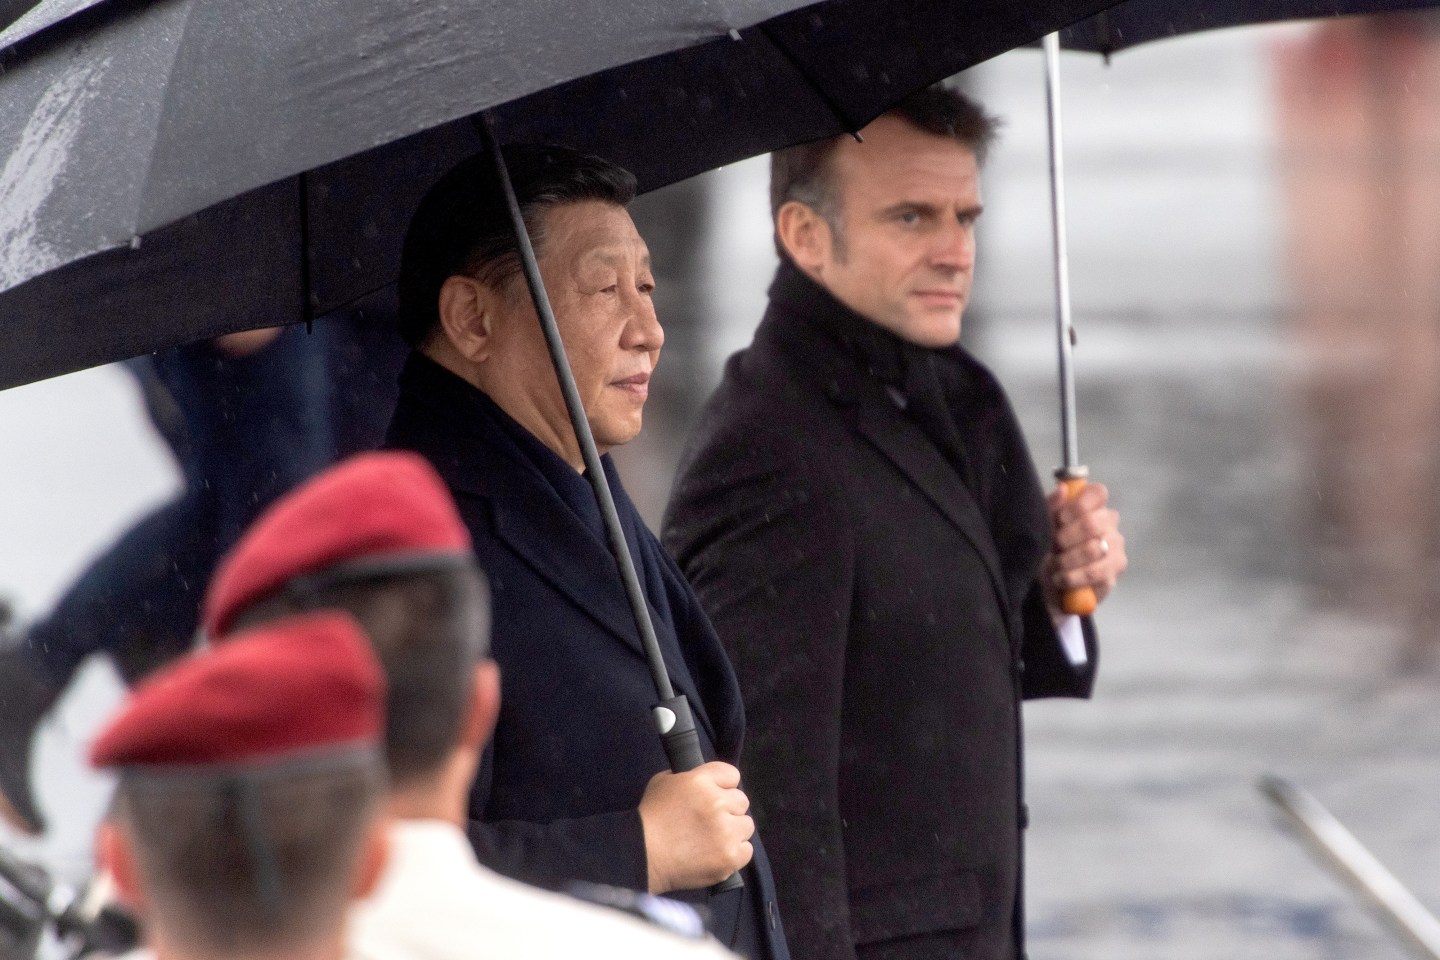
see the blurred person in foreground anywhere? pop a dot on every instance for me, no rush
(378, 537)
(862, 520)
(248, 810)
(575, 784)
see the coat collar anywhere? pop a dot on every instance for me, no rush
(820, 334)
(480, 451)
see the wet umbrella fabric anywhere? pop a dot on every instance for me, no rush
(1139, 21)
(23, 18)
(183, 168)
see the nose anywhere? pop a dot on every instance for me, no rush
(954, 247)
(643, 330)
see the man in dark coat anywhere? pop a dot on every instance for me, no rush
(574, 785)
(863, 523)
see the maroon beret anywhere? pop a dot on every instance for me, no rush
(300, 686)
(376, 512)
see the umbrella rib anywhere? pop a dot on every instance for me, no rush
(159, 121)
(830, 102)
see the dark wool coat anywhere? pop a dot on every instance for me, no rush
(884, 628)
(559, 785)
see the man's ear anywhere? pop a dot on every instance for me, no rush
(468, 311)
(374, 857)
(117, 857)
(484, 707)
(804, 234)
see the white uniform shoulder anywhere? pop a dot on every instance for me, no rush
(435, 902)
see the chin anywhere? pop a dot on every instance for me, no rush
(934, 333)
(609, 436)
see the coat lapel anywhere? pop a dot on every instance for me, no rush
(438, 417)
(873, 415)
(532, 522)
(906, 446)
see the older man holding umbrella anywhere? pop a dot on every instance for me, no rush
(575, 783)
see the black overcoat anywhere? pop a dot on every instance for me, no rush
(559, 785)
(882, 637)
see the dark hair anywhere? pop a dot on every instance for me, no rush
(803, 172)
(199, 841)
(429, 630)
(462, 226)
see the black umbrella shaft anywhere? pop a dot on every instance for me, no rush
(594, 471)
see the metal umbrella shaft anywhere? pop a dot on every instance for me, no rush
(672, 715)
(1071, 472)
(1065, 328)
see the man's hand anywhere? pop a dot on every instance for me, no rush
(246, 342)
(1088, 549)
(697, 831)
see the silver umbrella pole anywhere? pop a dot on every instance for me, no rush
(1339, 850)
(1071, 472)
(672, 715)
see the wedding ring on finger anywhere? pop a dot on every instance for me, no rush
(1104, 547)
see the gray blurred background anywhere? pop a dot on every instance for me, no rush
(1255, 229)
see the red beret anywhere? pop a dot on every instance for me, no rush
(297, 686)
(379, 509)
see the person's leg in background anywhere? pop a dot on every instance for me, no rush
(247, 419)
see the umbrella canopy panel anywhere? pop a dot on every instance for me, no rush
(25, 18)
(1139, 21)
(165, 108)
(183, 168)
(825, 69)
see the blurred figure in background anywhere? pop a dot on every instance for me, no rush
(247, 814)
(247, 416)
(1359, 126)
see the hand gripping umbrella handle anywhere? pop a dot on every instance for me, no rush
(681, 740)
(1081, 600)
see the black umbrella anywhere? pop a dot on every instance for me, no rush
(183, 168)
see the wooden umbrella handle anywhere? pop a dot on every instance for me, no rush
(1081, 600)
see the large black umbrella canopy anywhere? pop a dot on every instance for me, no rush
(183, 168)
(1139, 21)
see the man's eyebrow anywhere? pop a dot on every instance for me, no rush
(906, 206)
(613, 256)
(919, 206)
